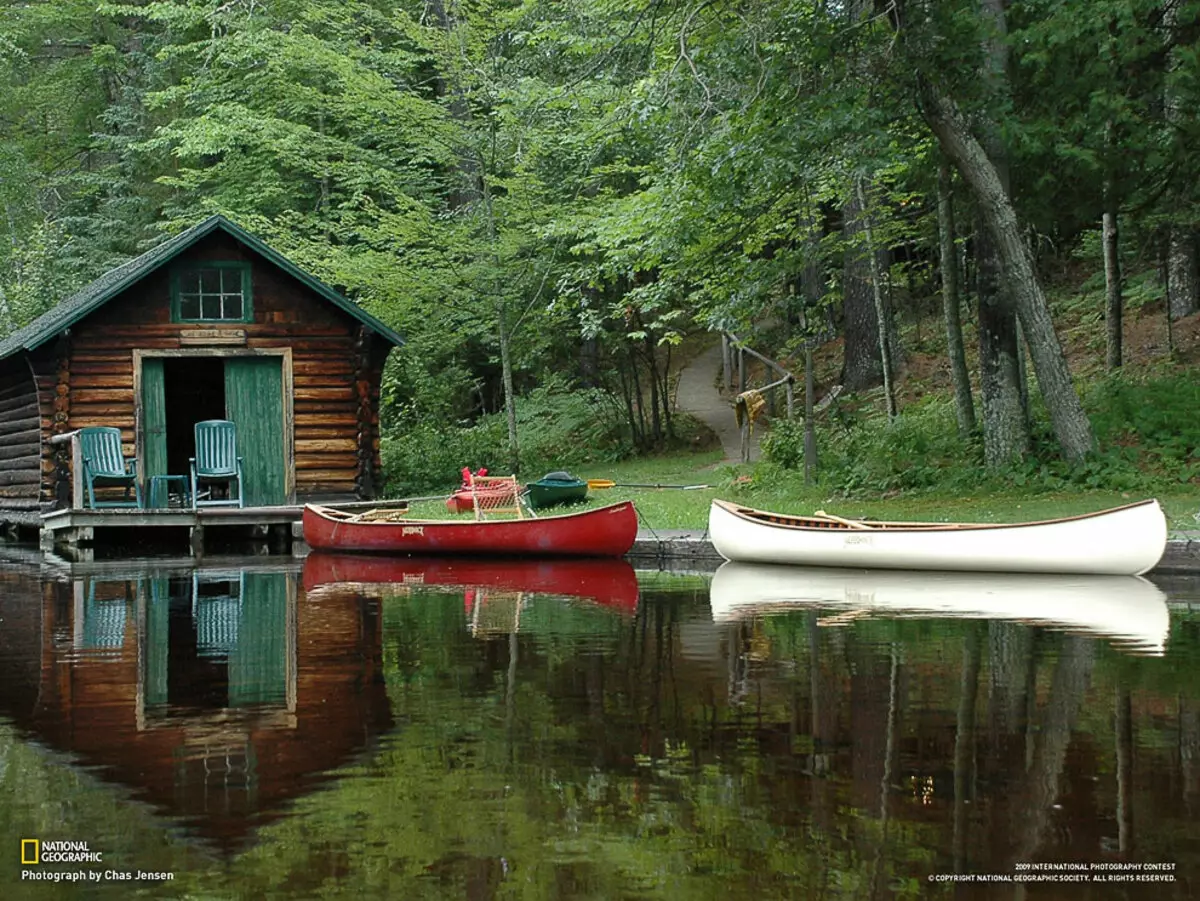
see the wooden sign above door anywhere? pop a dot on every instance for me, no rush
(190, 337)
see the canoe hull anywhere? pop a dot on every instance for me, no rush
(1129, 610)
(602, 532)
(1128, 540)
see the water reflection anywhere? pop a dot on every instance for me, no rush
(374, 728)
(610, 583)
(212, 693)
(1129, 610)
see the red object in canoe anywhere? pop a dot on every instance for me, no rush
(463, 499)
(602, 532)
(612, 583)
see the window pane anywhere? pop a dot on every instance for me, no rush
(210, 281)
(189, 282)
(233, 306)
(189, 306)
(210, 306)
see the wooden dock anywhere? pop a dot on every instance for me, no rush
(80, 528)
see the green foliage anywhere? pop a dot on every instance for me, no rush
(920, 451)
(1153, 423)
(421, 457)
(1148, 440)
(783, 445)
(560, 428)
(584, 181)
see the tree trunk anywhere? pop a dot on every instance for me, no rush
(656, 430)
(1123, 727)
(668, 397)
(1112, 285)
(510, 406)
(947, 234)
(1189, 753)
(1070, 423)
(861, 368)
(589, 362)
(881, 318)
(1183, 286)
(1003, 389)
(964, 741)
(1181, 273)
(810, 431)
(1040, 785)
(1005, 431)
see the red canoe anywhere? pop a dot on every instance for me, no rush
(612, 583)
(602, 532)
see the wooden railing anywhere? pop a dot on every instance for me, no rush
(733, 354)
(732, 347)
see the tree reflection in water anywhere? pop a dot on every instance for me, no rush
(479, 740)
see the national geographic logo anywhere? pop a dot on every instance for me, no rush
(35, 851)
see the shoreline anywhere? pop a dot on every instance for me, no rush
(691, 549)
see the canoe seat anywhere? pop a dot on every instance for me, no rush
(496, 496)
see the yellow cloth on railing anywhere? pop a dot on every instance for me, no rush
(748, 404)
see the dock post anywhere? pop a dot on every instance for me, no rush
(196, 539)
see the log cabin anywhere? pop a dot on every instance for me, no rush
(210, 324)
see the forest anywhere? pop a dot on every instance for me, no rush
(554, 201)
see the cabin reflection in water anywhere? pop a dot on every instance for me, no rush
(216, 695)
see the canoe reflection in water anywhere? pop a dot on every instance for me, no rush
(609, 583)
(1126, 609)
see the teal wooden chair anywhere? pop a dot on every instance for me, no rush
(216, 460)
(104, 463)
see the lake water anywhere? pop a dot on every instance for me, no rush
(367, 728)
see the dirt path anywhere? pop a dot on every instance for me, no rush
(698, 395)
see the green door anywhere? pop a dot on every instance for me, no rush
(258, 663)
(254, 402)
(157, 643)
(154, 419)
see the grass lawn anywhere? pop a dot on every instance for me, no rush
(680, 508)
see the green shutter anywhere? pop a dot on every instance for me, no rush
(254, 401)
(154, 418)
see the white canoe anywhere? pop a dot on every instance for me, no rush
(1124, 541)
(1130, 611)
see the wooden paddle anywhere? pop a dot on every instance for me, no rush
(597, 484)
(852, 523)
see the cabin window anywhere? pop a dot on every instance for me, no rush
(211, 292)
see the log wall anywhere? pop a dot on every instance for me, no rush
(336, 367)
(20, 442)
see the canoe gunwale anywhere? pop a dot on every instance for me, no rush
(815, 523)
(340, 516)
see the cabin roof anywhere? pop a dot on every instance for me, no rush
(113, 282)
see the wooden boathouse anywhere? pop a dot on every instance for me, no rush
(211, 324)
